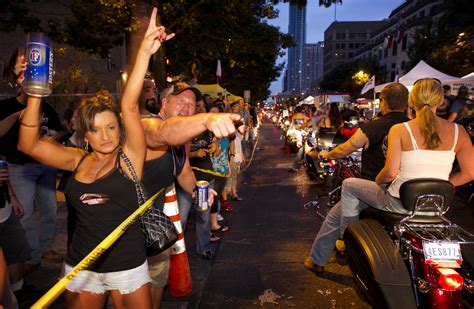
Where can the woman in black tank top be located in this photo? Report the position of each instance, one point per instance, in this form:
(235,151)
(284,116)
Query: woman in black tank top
(101,192)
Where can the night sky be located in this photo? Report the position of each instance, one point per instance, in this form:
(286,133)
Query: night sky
(319,18)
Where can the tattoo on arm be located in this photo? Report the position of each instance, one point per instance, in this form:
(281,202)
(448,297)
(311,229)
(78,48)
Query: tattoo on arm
(353,143)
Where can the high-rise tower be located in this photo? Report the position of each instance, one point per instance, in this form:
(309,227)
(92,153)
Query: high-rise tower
(296,55)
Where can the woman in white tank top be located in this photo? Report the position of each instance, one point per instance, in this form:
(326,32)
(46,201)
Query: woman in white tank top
(424,147)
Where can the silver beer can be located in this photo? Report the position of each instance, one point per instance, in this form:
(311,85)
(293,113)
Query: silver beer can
(202,195)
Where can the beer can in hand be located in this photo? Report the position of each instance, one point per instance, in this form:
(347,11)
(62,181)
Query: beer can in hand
(202,195)
(38,75)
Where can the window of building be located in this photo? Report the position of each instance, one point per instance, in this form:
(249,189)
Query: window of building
(356,45)
(343,36)
(338,36)
(380,54)
(392,75)
(351,45)
(393,65)
(361,35)
(385,54)
(351,36)
(343,45)
(404,42)
(350,55)
(337,45)
(394,49)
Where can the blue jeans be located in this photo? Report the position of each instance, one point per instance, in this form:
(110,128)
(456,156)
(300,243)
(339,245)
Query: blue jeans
(328,234)
(203,219)
(34,185)
(298,158)
(358,194)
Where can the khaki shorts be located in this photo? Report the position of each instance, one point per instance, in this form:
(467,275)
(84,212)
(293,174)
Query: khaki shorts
(159,266)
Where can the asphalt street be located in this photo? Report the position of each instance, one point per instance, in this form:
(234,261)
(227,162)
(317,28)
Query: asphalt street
(259,262)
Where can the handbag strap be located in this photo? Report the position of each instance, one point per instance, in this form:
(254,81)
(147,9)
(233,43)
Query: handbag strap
(138,183)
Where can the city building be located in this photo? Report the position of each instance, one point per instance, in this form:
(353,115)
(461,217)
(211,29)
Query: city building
(390,43)
(343,38)
(314,57)
(296,55)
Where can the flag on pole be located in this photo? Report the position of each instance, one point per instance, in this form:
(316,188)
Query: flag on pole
(218,71)
(387,43)
(369,85)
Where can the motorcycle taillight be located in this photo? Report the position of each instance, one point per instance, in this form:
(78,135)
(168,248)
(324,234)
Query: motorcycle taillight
(449,279)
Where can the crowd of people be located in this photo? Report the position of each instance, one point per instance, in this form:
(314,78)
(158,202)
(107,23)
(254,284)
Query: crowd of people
(174,138)
(416,136)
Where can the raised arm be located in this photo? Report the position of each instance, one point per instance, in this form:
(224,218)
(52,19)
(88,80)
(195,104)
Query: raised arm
(179,130)
(135,146)
(45,151)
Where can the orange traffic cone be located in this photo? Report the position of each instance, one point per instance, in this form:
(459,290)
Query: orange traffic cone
(179,280)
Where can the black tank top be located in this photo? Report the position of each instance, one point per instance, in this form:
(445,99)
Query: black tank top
(101,206)
(157,174)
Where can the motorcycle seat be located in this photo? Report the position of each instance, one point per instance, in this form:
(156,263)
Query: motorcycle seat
(386,218)
(423,195)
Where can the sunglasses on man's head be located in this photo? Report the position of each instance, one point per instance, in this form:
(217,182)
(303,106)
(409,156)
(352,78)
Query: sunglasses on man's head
(429,78)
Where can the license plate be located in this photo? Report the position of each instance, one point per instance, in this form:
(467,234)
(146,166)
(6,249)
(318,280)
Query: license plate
(442,251)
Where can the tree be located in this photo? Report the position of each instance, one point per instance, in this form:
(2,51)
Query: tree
(341,77)
(447,44)
(234,31)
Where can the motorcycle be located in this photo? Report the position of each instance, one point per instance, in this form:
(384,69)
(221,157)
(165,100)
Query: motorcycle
(411,260)
(327,139)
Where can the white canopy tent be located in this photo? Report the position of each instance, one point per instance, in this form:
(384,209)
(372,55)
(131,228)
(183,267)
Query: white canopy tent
(421,70)
(309,101)
(469,76)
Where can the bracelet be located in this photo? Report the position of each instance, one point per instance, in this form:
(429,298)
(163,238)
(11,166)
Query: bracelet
(29,125)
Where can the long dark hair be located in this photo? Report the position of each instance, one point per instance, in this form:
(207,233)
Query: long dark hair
(335,115)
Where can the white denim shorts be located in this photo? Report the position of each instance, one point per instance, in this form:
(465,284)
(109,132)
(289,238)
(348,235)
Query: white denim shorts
(125,281)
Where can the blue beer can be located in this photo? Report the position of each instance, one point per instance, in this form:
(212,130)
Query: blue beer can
(3,164)
(202,195)
(38,75)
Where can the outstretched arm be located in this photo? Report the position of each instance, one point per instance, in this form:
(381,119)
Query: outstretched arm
(179,130)
(358,140)
(135,146)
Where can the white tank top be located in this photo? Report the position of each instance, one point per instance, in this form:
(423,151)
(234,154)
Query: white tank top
(421,163)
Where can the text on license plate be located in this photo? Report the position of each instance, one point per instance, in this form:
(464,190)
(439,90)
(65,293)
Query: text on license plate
(441,251)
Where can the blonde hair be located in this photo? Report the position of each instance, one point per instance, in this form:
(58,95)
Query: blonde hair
(426,94)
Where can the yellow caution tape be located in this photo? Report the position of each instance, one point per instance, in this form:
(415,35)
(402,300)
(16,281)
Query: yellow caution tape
(60,286)
(209,172)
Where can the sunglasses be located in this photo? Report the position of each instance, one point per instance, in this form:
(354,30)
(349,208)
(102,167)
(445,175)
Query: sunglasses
(429,78)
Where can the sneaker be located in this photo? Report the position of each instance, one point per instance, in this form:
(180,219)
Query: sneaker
(220,217)
(340,245)
(52,256)
(207,255)
(309,264)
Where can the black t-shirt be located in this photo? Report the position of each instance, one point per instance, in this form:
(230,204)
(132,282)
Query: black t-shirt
(373,158)
(9,142)
(202,142)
